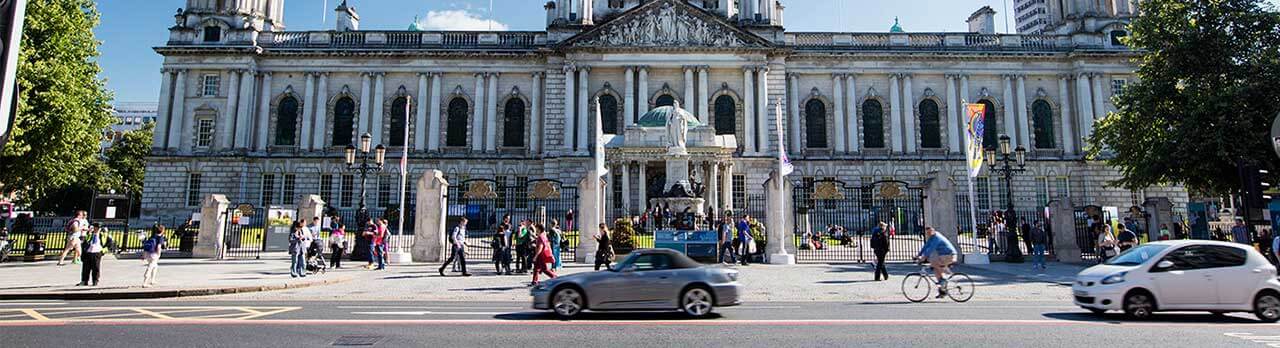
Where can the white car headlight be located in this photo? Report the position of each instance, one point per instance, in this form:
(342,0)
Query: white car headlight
(733,276)
(1114,278)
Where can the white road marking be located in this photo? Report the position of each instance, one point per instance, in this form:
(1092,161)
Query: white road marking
(32,303)
(1270,341)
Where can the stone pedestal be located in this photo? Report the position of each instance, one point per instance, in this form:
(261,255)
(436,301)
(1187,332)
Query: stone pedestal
(1063,231)
(310,207)
(589,216)
(429,229)
(776,198)
(213,222)
(1159,212)
(678,173)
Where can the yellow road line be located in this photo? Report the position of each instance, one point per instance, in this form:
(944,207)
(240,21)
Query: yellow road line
(153,314)
(101,316)
(35,315)
(217,316)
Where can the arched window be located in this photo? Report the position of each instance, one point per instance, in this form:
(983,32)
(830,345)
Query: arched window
(287,121)
(990,135)
(344,115)
(815,122)
(930,125)
(666,100)
(397,122)
(456,125)
(609,114)
(873,124)
(513,123)
(1042,122)
(726,114)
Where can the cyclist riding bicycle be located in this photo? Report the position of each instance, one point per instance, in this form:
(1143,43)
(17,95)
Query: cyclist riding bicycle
(940,254)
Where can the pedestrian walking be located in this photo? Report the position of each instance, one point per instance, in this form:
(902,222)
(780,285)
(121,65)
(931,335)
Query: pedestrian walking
(337,245)
(568,220)
(604,248)
(91,258)
(1024,229)
(1038,239)
(458,250)
(297,250)
(508,245)
(381,239)
(370,230)
(880,246)
(151,249)
(1240,232)
(527,239)
(557,239)
(186,237)
(1106,244)
(726,240)
(497,243)
(998,230)
(1127,239)
(75,231)
(543,256)
(744,239)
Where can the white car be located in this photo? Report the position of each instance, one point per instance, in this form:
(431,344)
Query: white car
(1182,275)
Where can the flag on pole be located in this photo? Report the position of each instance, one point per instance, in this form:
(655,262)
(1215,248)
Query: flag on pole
(784,163)
(973,131)
(598,154)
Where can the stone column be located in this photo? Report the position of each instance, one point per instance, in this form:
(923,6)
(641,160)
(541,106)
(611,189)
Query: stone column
(584,97)
(1064,115)
(1099,98)
(895,105)
(795,142)
(726,191)
(642,99)
(690,103)
(420,126)
(1086,108)
(178,123)
(569,101)
(837,94)
(1010,105)
(322,113)
(588,215)
(213,222)
(851,114)
(626,188)
(366,102)
(1063,231)
(477,115)
(535,118)
(703,103)
(629,98)
(713,186)
(311,206)
(226,123)
(308,112)
(954,129)
(491,115)
(379,89)
(762,111)
(749,111)
(644,185)
(1024,128)
(429,227)
(909,113)
(264,113)
(433,133)
(244,111)
(587,12)
(163,117)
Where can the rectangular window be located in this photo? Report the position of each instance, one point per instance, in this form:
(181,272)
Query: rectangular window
(501,183)
(268,189)
(209,85)
(982,185)
(348,190)
(1136,197)
(290,183)
(1062,187)
(830,204)
(204,132)
(522,192)
(384,191)
(1117,86)
(615,187)
(806,195)
(326,189)
(193,189)
(1042,191)
(865,192)
(739,191)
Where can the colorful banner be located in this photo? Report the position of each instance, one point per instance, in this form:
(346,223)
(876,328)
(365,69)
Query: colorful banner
(973,131)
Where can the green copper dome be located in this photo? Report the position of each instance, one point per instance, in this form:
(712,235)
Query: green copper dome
(896,27)
(658,117)
(414,26)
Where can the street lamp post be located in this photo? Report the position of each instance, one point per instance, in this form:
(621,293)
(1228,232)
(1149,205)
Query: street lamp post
(1006,163)
(364,168)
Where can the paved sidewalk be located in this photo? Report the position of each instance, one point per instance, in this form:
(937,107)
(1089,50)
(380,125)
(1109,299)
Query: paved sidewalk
(122,279)
(1056,273)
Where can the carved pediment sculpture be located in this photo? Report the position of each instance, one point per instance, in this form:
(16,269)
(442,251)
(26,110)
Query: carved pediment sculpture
(666,24)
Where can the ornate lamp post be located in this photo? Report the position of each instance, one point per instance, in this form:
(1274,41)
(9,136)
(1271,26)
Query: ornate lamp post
(1006,163)
(364,168)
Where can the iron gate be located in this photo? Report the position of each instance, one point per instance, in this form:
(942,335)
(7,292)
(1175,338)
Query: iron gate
(245,232)
(834,220)
(484,202)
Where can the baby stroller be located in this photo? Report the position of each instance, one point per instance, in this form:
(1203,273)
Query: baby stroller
(315,257)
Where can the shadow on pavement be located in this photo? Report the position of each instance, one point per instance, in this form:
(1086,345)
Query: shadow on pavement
(1180,318)
(504,288)
(606,316)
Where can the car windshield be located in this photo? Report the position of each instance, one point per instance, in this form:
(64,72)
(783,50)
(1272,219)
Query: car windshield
(1136,256)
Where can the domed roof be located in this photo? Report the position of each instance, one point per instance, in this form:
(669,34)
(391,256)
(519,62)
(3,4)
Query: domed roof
(414,26)
(896,27)
(658,117)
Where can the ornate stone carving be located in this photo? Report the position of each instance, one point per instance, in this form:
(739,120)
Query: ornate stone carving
(827,191)
(664,24)
(891,190)
(545,190)
(480,190)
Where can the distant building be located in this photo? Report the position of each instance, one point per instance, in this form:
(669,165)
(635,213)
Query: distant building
(1032,15)
(129,116)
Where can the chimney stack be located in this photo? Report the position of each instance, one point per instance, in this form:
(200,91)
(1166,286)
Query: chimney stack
(983,21)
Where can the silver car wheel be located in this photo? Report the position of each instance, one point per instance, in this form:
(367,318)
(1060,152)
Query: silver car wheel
(697,302)
(568,302)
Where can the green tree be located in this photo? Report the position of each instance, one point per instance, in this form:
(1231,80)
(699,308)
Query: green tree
(63,107)
(1205,96)
(126,162)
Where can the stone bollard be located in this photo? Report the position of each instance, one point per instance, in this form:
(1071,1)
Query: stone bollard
(429,228)
(1063,228)
(213,216)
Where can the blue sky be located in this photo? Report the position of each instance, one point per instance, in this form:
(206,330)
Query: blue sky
(130,28)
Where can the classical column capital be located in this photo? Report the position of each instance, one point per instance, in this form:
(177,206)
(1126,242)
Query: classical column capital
(1021,76)
(493,74)
(1066,77)
(538,74)
(629,68)
(584,68)
(479,75)
(704,68)
(264,73)
(952,76)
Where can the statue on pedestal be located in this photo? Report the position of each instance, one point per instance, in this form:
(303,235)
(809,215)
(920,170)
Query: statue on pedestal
(677,130)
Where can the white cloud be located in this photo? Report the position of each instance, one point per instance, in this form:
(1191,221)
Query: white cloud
(458,20)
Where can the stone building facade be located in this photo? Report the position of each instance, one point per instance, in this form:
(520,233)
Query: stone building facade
(262,114)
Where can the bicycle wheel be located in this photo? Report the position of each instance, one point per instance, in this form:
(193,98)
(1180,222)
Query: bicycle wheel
(960,287)
(916,287)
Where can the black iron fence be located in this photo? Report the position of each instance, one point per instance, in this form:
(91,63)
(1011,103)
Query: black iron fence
(47,236)
(834,221)
(986,238)
(486,202)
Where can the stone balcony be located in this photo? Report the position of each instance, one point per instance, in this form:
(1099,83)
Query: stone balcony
(830,41)
(505,40)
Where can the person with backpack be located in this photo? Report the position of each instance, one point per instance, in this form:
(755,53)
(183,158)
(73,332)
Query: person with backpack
(91,259)
(880,245)
(151,249)
(75,230)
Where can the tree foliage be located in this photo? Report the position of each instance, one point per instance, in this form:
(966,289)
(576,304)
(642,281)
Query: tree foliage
(63,106)
(1205,96)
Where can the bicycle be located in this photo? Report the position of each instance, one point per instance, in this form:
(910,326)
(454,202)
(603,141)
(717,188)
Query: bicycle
(917,286)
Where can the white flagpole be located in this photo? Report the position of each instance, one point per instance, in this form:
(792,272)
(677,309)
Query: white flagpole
(404,172)
(324,13)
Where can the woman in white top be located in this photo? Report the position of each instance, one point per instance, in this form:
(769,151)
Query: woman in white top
(1107,245)
(92,256)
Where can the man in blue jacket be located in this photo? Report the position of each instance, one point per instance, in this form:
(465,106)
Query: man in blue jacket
(940,254)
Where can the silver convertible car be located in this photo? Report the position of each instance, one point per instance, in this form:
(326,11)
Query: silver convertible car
(647,280)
